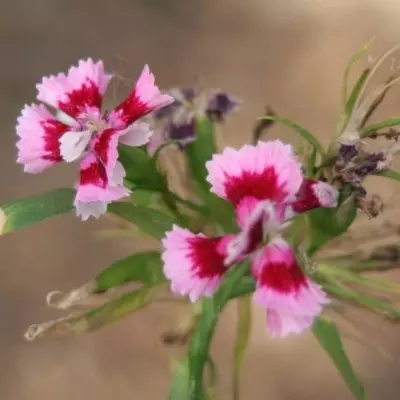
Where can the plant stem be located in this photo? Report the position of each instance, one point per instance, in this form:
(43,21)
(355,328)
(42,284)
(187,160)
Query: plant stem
(205,326)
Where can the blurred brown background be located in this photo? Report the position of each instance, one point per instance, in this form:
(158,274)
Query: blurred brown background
(289,53)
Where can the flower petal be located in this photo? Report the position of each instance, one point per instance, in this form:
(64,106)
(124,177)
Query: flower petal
(256,218)
(220,104)
(267,171)
(282,285)
(313,194)
(95,185)
(144,98)
(73,144)
(105,146)
(136,134)
(92,209)
(281,325)
(82,88)
(193,262)
(39,133)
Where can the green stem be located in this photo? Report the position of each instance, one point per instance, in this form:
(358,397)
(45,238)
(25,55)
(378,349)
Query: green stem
(205,326)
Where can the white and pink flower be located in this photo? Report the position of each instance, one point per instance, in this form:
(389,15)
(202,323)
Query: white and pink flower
(291,299)
(194,263)
(266,186)
(80,130)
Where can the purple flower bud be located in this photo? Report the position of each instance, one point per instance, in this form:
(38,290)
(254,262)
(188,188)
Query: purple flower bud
(370,165)
(183,133)
(219,105)
(347,152)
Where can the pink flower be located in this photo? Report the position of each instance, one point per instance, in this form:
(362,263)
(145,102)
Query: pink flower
(265,184)
(291,299)
(80,130)
(194,263)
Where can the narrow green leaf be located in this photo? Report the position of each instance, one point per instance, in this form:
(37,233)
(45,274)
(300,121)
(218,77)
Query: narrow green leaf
(30,210)
(327,223)
(328,337)
(335,288)
(244,287)
(390,174)
(141,169)
(243,331)
(219,212)
(310,163)
(352,100)
(143,197)
(91,320)
(200,151)
(353,59)
(144,267)
(388,123)
(180,386)
(300,130)
(149,220)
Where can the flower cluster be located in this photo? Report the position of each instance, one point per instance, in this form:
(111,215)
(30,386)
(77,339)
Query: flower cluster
(266,186)
(81,130)
(177,121)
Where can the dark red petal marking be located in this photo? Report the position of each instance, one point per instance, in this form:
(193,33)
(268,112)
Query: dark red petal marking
(262,186)
(205,256)
(86,96)
(282,277)
(102,144)
(53,130)
(94,174)
(305,197)
(131,109)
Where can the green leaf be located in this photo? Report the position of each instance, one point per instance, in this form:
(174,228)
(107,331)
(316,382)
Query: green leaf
(310,163)
(143,197)
(328,337)
(149,220)
(200,151)
(390,174)
(335,288)
(145,267)
(220,212)
(33,209)
(243,331)
(244,287)
(91,320)
(327,223)
(180,386)
(300,130)
(141,169)
(388,123)
(354,58)
(352,100)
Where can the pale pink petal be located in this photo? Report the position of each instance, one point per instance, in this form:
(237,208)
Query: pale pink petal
(313,194)
(136,134)
(193,262)
(82,88)
(281,325)
(93,209)
(95,185)
(282,285)
(266,171)
(39,134)
(144,98)
(156,140)
(74,144)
